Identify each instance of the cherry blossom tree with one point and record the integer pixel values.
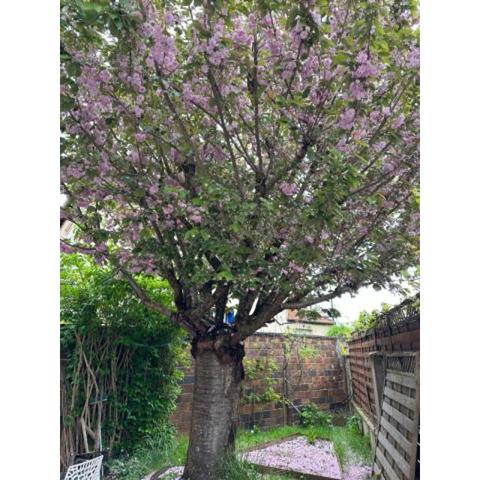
(257, 151)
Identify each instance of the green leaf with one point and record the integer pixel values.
(225, 275)
(66, 103)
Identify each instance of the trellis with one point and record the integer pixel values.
(399, 416)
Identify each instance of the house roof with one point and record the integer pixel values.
(292, 316)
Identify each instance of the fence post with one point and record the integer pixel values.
(377, 362)
(348, 381)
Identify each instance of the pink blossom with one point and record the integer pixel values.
(308, 239)
(140, 137)
(218, 154)
(317, 18)
(295, 268)
(387, 111)
(135, 157)
(241, 37)
(389, 167)
(347, 119)
(359, 134)
(375, 116)
(413, 60)
(342, 145)
(216, 57)
(288, 189)
(153, 189)
(101, 248)
(75, 171)
(357, 90)
(174, 154)
(379, 146)
(169, 18)
(167, 209)
(366, 70)
(362, 57)
(65, 248)
(196, 218)
(164, 51)
(399, 121)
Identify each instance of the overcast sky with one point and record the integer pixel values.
(366, 299)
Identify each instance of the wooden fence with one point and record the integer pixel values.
(383, 372)
(397, 432)
(398, 330)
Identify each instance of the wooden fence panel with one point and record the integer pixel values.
(397, 435)
(397, 331)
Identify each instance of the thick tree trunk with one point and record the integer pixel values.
(216, 395)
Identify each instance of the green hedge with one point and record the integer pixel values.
(132, 352)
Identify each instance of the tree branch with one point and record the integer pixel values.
(321, 298)
(143, 296)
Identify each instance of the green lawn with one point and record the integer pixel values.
(350, 447)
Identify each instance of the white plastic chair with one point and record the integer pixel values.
(89, 470)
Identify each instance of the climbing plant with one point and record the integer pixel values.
(260, 383)
(118, 359)
(296, 352)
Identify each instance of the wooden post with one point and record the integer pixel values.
(377, 362)
(348, 376)
(413, 452)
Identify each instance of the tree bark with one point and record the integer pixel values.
(216, 395)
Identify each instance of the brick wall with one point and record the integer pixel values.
(317, 377)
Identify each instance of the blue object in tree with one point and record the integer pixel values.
(230, 317)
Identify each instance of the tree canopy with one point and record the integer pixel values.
(262, 151)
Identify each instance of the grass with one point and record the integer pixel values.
(235, 468)
(350, 446)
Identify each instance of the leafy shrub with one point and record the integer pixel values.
(340, 330)
(367, 320)
(150, 456)
(312, 416)
(354, 423)
(129, 353)
(261, 384)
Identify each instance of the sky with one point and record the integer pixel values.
(366, 299)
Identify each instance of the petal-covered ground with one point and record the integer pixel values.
(293, 455)
(357, 472)
(299, 456)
